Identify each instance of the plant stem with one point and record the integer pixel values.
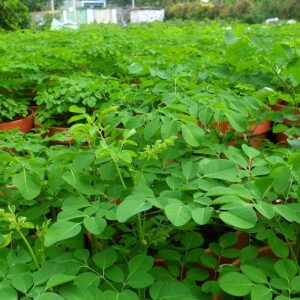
(141, 230)
(29, 248)
(119, 174)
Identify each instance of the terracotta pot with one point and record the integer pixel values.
(281, 138)
(34, 107)
(25, 124)
(282, 105)
(54, 130)
(256, 132)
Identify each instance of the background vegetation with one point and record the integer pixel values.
(15, 13)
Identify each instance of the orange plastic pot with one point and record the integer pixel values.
(54, 130)
(256, 132)
(281, 138)
(25, 124)
(65, 130)
(281, 106)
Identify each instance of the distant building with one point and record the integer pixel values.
(85, 4)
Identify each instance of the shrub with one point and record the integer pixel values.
(13, 14)
(262, 10)
(254, 11)
(194, 10)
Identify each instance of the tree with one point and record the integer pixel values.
(13, 14)
(38, 5)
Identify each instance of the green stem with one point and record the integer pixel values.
(141, 294)
(43, 256)
(140, 230)
(29, 248)
(119, 174)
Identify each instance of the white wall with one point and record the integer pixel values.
(147, 15)
(102, 16)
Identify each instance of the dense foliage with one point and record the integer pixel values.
(37, 5)
(160, 166)
(13, 15)
(250, 11)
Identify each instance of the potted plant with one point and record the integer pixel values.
(277, 66)
(15, 114)
(55, 98)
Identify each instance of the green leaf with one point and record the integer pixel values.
(208, 260)
(22, 282)
(105, 258)
(197, 274)
(229, 38)
(219, 169)
(286, 269)
(178, 213)
(95, 225)
(278, 246)
(189, 169)
(279, 128)
(135, 68)
(282, 177)
(86, 279)
(281, 297)
(237, 121)
(5, 239)
(60, 231)
(250, 151)
(126, 156)
(266, 209)
(228, 239)
(8, 293)
(193, 134)
(76, 109)
(115, 274)
(295, 284)
(260, 292)
(124, 295)
(286, 212)
(279, 283)
(28, 184)
(132, 206)
(173, 182)
(140, 262)
(294, 69)
(243, 217)
(254, 274)
(71, 292)
(151, 128)
(248, 254)
(169, 128)
(49, 296)
(59, 279)
(140, 280)
(47, 270)
(235, 284)
(202, 215)
(168, 290)
(192, 240)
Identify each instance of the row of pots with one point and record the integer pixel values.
(256, 132)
